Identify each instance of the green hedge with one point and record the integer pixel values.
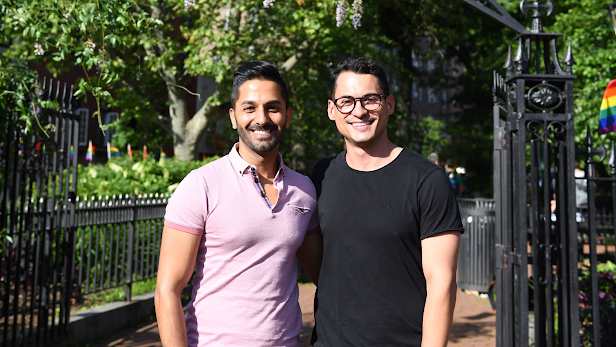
(121, 176)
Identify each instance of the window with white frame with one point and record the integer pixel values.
(84, 116)
(110, 118)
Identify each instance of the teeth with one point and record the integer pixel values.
(361, 124)
(261, 132)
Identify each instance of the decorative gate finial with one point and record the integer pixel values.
(536, 7)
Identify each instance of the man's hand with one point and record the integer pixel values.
(310, 254)
(178, 252)
(439, 255)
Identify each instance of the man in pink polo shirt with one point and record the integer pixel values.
(241, 221)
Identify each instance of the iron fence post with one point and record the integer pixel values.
(131, 245)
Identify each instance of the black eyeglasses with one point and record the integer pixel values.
(370, 102)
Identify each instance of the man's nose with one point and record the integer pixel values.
(262, 116)
(359, 109)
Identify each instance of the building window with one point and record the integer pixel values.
(415, 93)
(430, 65)
(110, 118)
(84, 115)
(416, 60)
(431, 96)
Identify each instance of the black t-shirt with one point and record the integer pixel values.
(372, 289)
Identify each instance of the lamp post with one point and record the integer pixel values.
(612, 9)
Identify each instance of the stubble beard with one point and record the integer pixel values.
(261, 145)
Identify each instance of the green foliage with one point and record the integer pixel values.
(121, 176)
(586, 23)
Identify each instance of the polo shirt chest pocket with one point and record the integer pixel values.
(299, 217)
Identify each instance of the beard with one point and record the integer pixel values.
(261, 145)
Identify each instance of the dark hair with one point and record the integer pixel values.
(257, 70)
(450, 163)
(359, 66)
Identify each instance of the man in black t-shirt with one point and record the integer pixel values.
(390, 224)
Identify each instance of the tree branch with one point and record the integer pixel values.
(302, 50)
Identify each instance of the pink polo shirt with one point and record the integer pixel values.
(245, 287)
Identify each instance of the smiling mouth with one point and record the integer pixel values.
(362, 123)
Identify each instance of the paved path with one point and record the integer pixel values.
(474, 324)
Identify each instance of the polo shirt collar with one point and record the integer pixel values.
(241, 166)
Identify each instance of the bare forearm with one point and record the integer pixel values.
(438, 314)
(170, 317)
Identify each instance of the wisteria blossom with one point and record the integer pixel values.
(341, 12)
(38, 49)
(358, 11)
(188, 4)
(138, 76)
(91, 45)
(268, 3)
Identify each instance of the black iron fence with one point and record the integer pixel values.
(597, 236)
(38, 176)
(117, 241)
(55, 247)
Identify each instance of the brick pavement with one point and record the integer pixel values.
(474, 324)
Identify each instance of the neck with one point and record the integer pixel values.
(371, 157)
(266, 163)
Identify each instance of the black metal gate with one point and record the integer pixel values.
(37, 183)
(536, 241)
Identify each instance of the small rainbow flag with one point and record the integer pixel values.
(90, 151)
(607, 116)
(145, 152)
(112, 151)
(163, 155)
(72, 152)
(129, 150)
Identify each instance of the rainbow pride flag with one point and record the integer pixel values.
(129, 150)
(112, 151)
(163, 155)
(90, 151)
(145, 152)
(607, 116)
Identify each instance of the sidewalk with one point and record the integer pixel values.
(474, 324)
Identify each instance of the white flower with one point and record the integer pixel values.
(188, 4)
(268, 3)
(138, 76)
(38, 49)
(91, 45)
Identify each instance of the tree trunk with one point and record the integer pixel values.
(187, 132)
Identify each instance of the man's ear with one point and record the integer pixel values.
(331, 109)
(232, 117)
(288, 117)
(391, 104)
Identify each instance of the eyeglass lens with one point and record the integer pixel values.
(370, 102)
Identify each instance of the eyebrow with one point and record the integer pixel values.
(350, 96)
(271, 102)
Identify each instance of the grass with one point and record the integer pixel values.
(114, 294)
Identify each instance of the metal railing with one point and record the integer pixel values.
(117, 241)
(476, 259)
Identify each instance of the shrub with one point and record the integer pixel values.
(124, 175)
(607, 303)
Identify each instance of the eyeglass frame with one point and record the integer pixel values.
(381, 96)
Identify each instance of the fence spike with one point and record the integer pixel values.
(520, 57)
(569, 60)
(588, 140)
(44, 84)
(70, 101)
(50, 89)
(57, 90)
(509, 61)
(63, 103)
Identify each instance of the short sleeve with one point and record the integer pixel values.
(438, 206)
(187, 208)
